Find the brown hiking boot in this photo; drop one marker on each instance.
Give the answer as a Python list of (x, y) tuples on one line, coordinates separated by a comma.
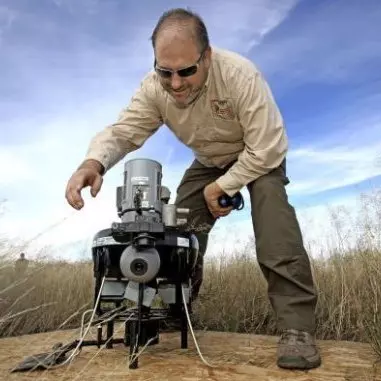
[(297, 350)]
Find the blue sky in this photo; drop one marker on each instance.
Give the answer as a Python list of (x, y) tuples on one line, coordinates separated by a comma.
[(67, 68)]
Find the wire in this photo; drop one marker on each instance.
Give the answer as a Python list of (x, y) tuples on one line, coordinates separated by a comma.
[(192, 332), (77, 349), (83, 335)]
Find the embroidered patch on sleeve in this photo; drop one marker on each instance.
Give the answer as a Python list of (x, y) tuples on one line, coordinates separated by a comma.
[(222, 109)]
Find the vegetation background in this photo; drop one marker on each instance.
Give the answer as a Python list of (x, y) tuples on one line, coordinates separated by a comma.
[(53, 294)]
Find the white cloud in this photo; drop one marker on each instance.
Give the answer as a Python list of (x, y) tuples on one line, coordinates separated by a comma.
[(315, 170), (13, 169), (252, 21), (322, 47), (344, 157)]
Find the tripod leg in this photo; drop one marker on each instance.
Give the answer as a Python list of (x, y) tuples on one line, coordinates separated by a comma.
[(136, 330), (133, 345), (110, 333), (99, 335), (184, 329)]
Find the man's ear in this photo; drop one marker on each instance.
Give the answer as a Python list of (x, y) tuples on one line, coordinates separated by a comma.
[(208, 57), (208, 53)]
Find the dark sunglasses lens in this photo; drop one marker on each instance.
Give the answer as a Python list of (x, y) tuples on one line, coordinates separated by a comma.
[(188, 71), (164, 73)]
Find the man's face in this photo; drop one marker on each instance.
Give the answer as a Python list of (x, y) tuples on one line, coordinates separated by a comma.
[(174, 52)]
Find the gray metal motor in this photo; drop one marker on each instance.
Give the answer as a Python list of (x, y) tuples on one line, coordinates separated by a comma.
[(141, 191), (143, 199), (143, 196)]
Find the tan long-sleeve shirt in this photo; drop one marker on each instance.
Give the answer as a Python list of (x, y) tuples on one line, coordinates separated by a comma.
[(234, 118)]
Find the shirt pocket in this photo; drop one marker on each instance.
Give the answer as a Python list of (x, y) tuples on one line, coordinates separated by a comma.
[(227, 131)]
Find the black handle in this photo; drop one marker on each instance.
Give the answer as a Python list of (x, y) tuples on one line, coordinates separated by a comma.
[(236, 201)]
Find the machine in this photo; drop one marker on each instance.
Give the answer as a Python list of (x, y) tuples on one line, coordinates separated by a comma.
[(142, 266)]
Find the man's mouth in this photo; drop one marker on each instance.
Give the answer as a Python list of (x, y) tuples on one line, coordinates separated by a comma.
[(179, 94), (179, 91)]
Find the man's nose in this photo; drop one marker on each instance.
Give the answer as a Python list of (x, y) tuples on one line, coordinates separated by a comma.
[(176, 81)]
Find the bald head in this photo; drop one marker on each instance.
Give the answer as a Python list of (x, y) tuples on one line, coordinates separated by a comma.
[(176, 46), (176, 32), (181, 25)]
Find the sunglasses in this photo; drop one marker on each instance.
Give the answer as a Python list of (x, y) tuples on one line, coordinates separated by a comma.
[(186, 72)]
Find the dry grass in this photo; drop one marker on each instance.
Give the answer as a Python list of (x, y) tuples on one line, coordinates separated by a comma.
[(54, 294), (49, 296)]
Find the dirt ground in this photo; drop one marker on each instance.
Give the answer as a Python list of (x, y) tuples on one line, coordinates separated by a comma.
[(232, 356)]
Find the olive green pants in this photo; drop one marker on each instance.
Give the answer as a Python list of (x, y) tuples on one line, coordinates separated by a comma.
[(278, 241)]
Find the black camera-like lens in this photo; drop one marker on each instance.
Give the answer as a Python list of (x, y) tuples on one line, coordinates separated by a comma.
[(139, 267)]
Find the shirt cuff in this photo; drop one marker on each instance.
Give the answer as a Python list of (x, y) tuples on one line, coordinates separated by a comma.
[(229, 184), (104, 159)]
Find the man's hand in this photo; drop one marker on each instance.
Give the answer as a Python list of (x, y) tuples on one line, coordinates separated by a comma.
[(88, 174), (211, 193)]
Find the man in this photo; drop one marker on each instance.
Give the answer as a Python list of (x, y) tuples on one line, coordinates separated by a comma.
[(218, 104), (21, 265)]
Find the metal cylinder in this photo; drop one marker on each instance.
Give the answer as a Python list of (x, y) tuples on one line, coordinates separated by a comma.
[(169, 215), (142, 188)]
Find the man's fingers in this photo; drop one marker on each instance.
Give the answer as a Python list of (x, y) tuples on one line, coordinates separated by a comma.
[(223, 213), (78, 200), (73, 193), (79, 180), (75, 197), (95, 188), (217, 211)]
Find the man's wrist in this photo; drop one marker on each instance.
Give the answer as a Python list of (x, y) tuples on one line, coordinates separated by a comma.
[(93, 164)]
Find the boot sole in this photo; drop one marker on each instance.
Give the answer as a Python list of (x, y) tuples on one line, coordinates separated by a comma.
[(298, 363)]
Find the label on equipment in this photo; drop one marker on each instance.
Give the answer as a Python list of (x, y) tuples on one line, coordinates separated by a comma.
[(139, 178), (182, 242)]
